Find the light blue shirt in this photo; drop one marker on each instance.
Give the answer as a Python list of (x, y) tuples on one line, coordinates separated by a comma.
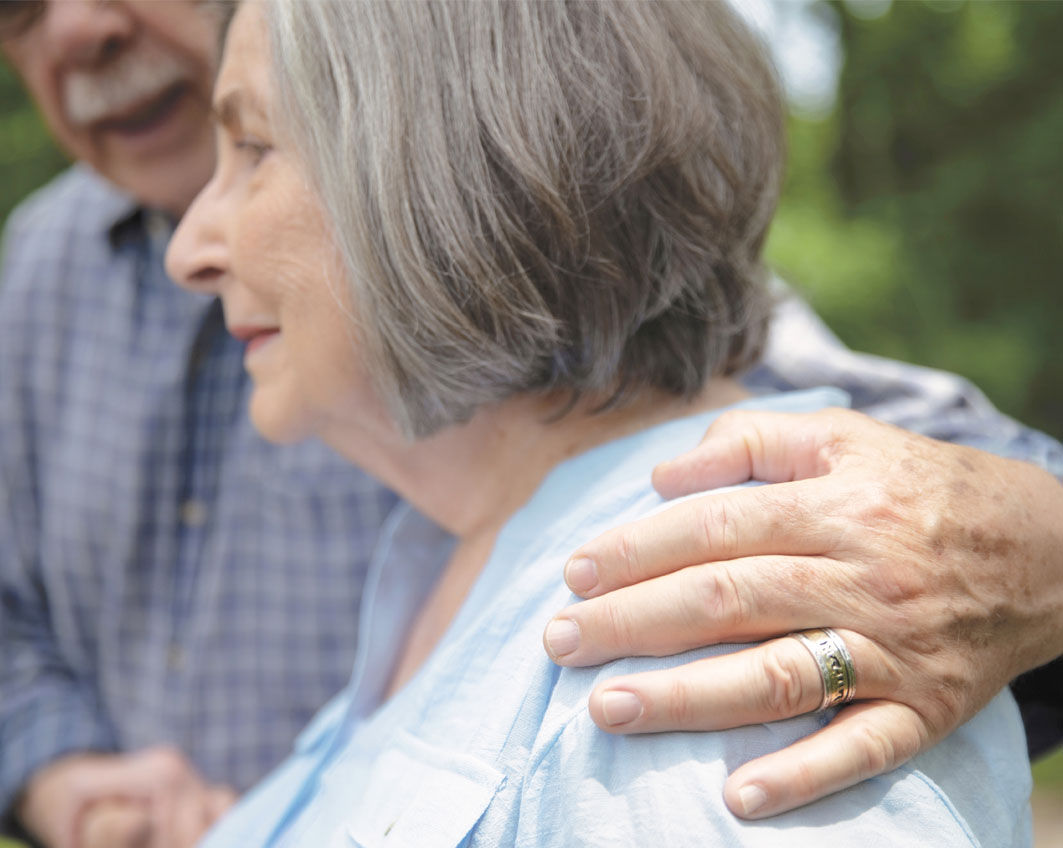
[(491, 744), (166, 576)]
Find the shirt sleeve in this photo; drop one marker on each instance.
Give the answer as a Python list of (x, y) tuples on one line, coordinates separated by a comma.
[(47, 708), (802, 352), (1040, 696)]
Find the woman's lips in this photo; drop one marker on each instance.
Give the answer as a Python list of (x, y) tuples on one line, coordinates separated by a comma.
[(254, 337), (261, 339)]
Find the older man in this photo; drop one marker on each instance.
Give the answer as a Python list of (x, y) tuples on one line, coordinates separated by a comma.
[(165, 573), (167, 578)]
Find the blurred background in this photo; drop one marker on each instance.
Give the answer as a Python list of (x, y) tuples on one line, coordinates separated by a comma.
[(923, 214), (923, 211)]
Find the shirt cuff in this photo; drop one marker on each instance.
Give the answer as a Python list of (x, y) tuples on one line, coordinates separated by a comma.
[(38, 734), (1040, 696)]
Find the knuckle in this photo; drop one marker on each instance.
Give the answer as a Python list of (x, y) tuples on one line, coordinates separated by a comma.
[(833, 441), (679, 703), (880, 746), (718, 597), (626, 553), (896, 588), (876, 750), (948, 701), (805, 782), (616, 623), (732, 419), (877, 518), (718, 526), (168, 764), (785, 693), (876, 505)]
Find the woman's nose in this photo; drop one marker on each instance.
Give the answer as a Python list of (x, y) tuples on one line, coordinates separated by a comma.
[(197, 257)]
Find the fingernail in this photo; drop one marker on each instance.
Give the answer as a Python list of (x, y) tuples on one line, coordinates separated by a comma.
[(581, 574), (562, 637), (620, 708), (752, 798)]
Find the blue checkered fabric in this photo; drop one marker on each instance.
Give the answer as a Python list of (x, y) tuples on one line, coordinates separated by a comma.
[(802, 352), (166, 575)]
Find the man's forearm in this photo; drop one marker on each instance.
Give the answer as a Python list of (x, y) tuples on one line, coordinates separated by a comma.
[(803, 353)]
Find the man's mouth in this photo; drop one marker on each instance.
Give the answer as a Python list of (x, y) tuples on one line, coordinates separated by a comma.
[(146, 115)]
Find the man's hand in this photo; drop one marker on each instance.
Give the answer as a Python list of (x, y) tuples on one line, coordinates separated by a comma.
[(149, 799), (124, 823), (940, 566)]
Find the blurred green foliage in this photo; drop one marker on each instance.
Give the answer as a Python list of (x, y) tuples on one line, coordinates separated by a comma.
[(1048, 771), (923, 218), (27, 156)]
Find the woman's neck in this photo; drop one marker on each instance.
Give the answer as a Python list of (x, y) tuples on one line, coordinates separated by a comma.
[(471, 478)]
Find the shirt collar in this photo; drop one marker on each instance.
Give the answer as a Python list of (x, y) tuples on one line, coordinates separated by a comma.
[(124, 221), (139, 223)]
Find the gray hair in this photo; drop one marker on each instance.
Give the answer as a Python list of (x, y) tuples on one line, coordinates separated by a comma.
[(532, 197)]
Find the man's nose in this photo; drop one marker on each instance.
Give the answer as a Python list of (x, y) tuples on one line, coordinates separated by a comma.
[(197, 257), (87, 33)]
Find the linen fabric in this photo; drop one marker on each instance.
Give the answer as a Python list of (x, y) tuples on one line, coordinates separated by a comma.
[(490, 744), (168, 577)]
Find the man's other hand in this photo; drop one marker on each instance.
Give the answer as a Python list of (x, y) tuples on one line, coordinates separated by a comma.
[(152, 798)]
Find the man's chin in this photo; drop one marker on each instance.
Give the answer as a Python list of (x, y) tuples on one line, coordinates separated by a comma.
[(165, 174)]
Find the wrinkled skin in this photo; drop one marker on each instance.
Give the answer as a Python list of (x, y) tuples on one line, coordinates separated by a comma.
[(941, 566)]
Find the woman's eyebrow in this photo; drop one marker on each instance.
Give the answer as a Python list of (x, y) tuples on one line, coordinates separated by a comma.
[(227, 109)]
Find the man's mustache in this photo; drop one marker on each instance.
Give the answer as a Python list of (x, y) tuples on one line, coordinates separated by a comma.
[(135, 77)]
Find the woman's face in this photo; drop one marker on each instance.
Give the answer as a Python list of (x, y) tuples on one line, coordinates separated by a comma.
[(257, 236)]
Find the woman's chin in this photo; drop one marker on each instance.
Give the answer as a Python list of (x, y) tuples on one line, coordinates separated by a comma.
[(277, 423)]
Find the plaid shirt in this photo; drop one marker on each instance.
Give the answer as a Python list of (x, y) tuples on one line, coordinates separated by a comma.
[(165, 574)]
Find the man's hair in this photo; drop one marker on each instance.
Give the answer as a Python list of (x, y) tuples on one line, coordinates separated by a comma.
[(533, 197)]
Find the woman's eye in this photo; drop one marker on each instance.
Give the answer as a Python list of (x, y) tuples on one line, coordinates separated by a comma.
[(254, 149)]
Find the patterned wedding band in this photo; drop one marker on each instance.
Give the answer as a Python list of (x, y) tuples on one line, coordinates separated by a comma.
[(835, 664)]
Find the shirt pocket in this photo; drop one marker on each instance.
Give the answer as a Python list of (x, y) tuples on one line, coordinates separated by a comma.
[(419, 796)]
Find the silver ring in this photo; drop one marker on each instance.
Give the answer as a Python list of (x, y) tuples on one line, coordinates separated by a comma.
[(835, 664)]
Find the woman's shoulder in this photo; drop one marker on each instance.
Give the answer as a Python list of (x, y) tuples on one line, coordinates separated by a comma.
[(592, 787)]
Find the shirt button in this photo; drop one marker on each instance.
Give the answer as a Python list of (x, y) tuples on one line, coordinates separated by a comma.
[(193, 513), (175, 658)]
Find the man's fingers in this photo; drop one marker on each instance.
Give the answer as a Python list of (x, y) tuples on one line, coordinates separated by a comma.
[(179, 800), (745, 522), (118, 823), (775, 447), (220, 799), (737, 601), (776, 680), (181, 819), (864, 740)]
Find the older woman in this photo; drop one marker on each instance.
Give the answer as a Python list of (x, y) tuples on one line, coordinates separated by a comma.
[(504, 256)]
